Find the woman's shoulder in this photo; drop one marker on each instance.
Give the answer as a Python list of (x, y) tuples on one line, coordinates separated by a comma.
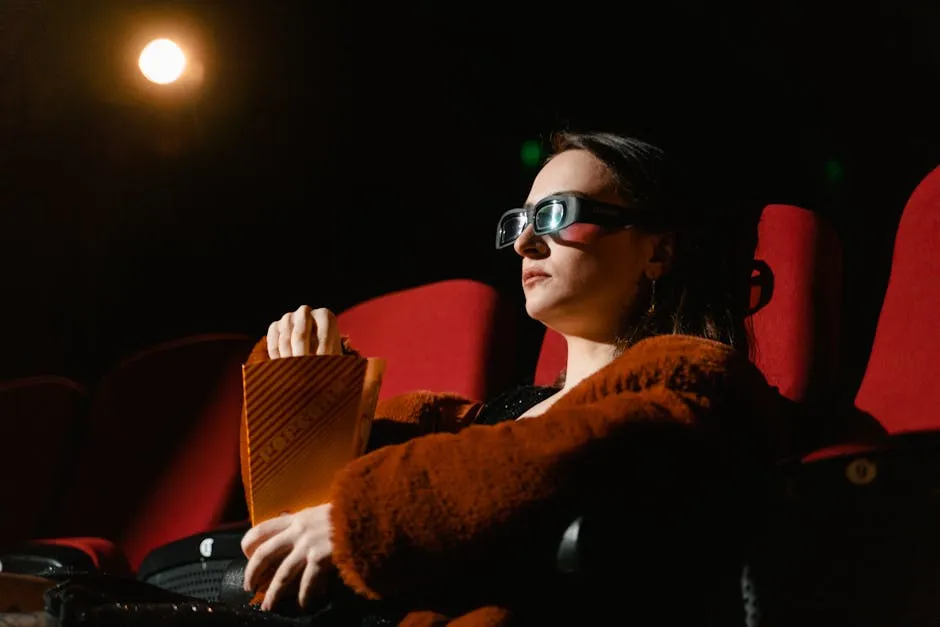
[(681, 363), (684, 358), (686, 348)]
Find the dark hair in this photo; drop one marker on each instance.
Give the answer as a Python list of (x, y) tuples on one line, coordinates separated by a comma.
[(706, 291)]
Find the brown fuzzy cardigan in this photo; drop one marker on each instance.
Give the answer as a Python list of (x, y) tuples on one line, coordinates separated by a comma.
[(467, 508)]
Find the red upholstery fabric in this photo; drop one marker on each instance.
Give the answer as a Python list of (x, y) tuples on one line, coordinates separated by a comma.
[(105, 555), (162, 459), (847, 450), (900, 387), (37, 417), (796, 333), (442, 336)]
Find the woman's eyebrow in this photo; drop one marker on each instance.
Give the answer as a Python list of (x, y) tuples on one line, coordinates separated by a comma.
[(571, 192)]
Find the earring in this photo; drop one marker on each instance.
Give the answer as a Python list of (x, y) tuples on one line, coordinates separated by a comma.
[(652, 308)]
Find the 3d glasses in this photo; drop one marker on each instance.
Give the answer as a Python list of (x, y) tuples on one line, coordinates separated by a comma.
[(554, 213)]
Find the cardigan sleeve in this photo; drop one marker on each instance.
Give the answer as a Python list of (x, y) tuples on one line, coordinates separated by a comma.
[(414, 517)]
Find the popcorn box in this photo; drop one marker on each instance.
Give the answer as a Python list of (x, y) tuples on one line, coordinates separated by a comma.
[(306, 418)]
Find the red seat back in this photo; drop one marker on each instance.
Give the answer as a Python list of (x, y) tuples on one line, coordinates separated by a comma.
[(900, 387), (796, 333), (162, 460), (441, 337), (795, 336), (38, 417)]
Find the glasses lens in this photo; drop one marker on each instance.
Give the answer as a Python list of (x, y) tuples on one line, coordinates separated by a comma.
[(549, 217), (510, 228)]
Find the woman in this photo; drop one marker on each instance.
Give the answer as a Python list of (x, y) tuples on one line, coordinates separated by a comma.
[(660, 427)]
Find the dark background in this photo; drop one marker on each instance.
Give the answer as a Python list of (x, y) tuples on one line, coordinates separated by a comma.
[(337, 150)]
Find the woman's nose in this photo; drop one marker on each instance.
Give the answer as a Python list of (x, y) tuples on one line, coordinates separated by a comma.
[(528, 244)]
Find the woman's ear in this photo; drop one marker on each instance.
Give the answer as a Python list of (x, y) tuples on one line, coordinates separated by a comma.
[(660, 261)]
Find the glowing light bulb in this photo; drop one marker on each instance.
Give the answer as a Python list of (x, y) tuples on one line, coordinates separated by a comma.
[(162, 61)]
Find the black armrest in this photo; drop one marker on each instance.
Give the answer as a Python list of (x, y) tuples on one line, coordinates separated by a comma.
[(195, 565), (45, 560), (233, 581), (649, 562)]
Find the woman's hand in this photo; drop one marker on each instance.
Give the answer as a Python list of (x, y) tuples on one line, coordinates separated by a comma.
[(298, 546), (304, 332)]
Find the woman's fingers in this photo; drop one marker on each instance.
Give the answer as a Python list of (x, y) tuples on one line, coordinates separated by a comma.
[(305, 331), (262, 532), (273, 351), (315, 579), (284, 578), (327, 333), (291, 554), (301, 331), (283, 338), (265, 559)]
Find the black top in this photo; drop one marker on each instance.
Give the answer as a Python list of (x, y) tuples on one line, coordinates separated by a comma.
[(513, 403)]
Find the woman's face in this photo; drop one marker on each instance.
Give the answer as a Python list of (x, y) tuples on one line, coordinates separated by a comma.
[(584, 279)]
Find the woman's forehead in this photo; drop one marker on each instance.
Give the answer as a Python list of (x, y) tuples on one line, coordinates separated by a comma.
[(574, 171)]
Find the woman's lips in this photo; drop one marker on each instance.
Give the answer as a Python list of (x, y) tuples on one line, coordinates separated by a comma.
[(531, 277)]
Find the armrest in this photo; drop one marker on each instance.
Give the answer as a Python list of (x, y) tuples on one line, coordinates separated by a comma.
[(62, 556), (196, 564), (232, 589), (657, 562)]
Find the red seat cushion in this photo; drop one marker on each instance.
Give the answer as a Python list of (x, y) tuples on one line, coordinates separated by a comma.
[(104, 554)]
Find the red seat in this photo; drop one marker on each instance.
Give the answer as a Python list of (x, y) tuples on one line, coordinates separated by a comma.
[(796, 328), (449, 336), (162, 459), (900, 387), (858, 544), (796, 334), (39, 417)]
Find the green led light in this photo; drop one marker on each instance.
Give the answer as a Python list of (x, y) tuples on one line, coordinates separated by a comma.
[(531, 153), (835, 172)]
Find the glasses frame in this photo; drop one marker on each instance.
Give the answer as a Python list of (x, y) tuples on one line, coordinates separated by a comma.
[(574, 209)]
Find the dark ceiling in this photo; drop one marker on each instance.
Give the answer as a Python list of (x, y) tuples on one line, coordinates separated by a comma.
[(337, 150)]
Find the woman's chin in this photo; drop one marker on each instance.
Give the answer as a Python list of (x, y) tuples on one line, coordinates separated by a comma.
[(533, 309), (556, 311), (538, 307)]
